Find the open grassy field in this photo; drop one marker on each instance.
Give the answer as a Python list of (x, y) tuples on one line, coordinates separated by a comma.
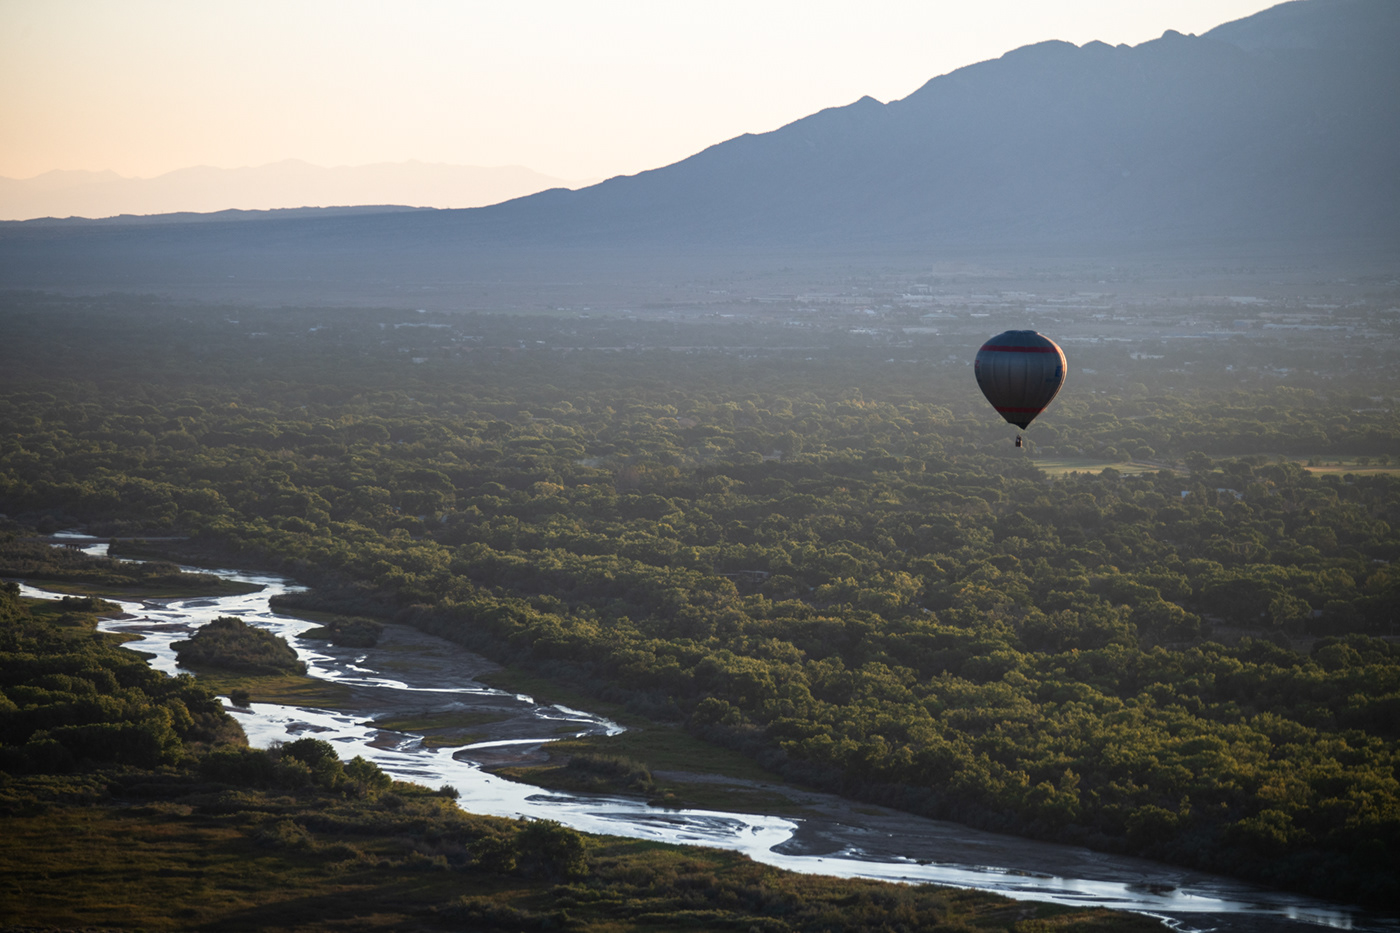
[(1059, 466), (114, 591), (1316, 463), (1329, 463)]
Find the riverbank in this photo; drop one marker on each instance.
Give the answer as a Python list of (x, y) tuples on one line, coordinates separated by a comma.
[(225, 838), (173, 857), (413, 679), (65, 564)]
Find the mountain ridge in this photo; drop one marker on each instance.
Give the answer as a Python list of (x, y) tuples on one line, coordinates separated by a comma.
[(1217, 137), (1280, 127)]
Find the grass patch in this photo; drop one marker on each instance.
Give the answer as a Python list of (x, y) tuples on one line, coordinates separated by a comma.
[(348, 632), (671, 794), (446, 729), (1059, 466), (1320, 464), (73, 615), (286, 689), (429, 722), (663, 748), (1334, 465), (729, 798), (79, 588)]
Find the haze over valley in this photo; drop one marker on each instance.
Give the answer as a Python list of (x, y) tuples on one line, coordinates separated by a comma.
[(288, 184)]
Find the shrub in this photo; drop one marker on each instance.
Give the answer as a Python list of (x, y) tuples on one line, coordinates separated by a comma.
[(245, 767), (544, 848), (231, 644), (615, 770), (348, 632)]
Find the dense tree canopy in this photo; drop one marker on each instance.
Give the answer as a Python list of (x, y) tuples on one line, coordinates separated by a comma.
[(75, 702), (826, 566)]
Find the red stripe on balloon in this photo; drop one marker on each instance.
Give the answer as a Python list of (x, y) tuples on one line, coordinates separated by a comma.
[(1020, 411), (1019, 349)]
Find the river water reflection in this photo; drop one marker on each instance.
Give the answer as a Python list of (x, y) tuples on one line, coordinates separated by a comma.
[(410, 673)]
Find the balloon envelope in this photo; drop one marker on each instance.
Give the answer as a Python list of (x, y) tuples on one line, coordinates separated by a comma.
[(1020, 371)]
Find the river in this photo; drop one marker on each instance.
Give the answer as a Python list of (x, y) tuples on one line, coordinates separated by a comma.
[(410, 672)]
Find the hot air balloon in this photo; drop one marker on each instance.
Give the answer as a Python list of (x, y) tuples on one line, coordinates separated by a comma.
[(1020, 371)]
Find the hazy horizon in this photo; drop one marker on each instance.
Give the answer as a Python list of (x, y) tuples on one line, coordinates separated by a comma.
[(571, 91), (290, 160), (287, 183)]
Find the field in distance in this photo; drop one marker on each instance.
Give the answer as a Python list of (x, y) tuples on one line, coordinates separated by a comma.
[(1059, 466)]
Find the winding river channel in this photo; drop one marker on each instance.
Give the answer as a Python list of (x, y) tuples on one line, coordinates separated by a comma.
[(411, 673)]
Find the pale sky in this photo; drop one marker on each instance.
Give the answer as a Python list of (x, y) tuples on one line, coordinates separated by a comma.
[(572, 88)]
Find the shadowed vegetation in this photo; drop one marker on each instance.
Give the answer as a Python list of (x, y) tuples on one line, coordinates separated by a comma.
[(231, 644), (66, 569), (192, 830), (813, 557), (347, 632)]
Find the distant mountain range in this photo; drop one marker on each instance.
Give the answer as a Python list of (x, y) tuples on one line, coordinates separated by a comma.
[(1285, 123), (1284, 126), (291, 183)]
